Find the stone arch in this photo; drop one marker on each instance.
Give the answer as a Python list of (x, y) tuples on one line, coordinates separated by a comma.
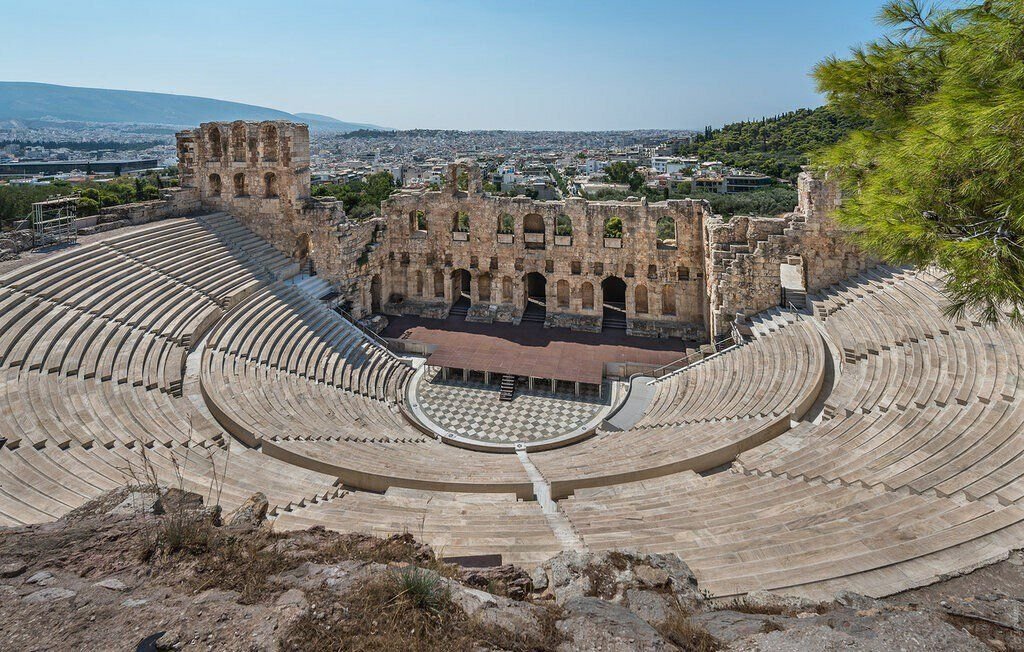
[(375, 291), (587, 295), (668, 299), (535, 288), (216, 143), (238, 147), (614, 227), (461, 284), (562, 293), (640, 304), (239, 181), (506, 289), (506, 223), (268, 136), (563, 224), (215, 184), (533, 223), (483, 287), (438, 284), (666, 232), (613, 290), (270, 185), (417, 221)]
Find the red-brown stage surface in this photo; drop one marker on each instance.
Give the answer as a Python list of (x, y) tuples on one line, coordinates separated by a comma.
[(529, 349)]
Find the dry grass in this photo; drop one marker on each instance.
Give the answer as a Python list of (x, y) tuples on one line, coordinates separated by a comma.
[(409, 610), (689, 637)]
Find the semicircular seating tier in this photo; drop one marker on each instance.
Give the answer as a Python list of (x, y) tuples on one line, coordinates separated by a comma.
[(874, 444)]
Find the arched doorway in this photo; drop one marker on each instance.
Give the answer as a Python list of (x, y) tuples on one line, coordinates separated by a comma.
[(375, 293), (613, 291), (535, 286), (461, 301)]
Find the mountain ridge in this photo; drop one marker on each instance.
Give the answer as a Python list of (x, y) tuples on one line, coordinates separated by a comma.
[(36, 100)]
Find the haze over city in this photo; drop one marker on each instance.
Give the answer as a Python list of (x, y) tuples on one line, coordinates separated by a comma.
[(454, 65)]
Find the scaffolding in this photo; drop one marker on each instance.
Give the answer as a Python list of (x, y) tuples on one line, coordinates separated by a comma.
[(53, 221)]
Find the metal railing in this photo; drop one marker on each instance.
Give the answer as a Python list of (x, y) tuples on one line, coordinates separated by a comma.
[(721, 346), (374, 337)]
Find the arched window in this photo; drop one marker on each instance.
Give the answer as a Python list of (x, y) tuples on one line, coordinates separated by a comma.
[(460, 222), (506, 290), (483, 287), (216, 145), (238, 142), (240, 184), (666, 233), (562, 290), (668, 299), (563, 225), (215, 186), (506, 223), (640, 300), (587, 293), (438, 284), (613, 227), (533, 223), (417, 221), (269, 138), (270, 185)]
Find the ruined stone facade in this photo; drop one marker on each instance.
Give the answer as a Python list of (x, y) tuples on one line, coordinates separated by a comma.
[(511, 248), (259, 172), (675, 269), (745, 256)]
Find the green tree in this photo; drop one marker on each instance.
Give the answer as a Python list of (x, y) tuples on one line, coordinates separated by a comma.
[(613, 227), (933, 178), (88, 206)]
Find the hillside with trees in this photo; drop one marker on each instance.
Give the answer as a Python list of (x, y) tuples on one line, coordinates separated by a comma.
[(776, 146)]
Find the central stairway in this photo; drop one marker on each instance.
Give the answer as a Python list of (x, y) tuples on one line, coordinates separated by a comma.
[(535, 311), (508, 387), (614, 316)]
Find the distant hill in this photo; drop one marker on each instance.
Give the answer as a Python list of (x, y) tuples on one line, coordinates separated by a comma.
[(777, 146), (33, 101)]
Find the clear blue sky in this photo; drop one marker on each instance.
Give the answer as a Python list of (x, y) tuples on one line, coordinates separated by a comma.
[(549, 64)]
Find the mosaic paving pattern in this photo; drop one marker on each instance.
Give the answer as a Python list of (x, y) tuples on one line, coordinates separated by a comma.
[(472, 410)]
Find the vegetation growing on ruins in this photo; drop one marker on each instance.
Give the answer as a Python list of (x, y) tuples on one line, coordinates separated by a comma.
[(625, 172), (772, 200), (16, 200), (361, 198), (778, 146), (933, 178), (613, 227)]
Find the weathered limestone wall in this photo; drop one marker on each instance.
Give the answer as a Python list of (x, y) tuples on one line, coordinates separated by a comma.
[(424, 264), (259, 172), (744, 255)]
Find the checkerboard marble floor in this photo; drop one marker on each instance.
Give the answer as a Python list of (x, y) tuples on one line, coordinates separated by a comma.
[(472, 410)]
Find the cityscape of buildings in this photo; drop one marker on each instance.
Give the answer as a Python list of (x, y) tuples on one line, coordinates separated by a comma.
[(542, 165)]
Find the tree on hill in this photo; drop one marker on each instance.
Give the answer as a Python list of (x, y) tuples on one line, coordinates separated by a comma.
[(776, 146), (933, 178)]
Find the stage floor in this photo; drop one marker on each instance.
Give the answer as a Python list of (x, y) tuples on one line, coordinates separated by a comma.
[(529, 349)]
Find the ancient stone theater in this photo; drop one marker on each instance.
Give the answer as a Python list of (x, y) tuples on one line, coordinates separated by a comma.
[(507, 378)]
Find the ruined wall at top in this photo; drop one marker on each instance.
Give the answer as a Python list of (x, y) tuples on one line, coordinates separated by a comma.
[(259, 172), (663, 281), (744, 255)]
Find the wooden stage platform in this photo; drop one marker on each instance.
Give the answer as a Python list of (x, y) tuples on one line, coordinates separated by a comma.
[(529, 349)]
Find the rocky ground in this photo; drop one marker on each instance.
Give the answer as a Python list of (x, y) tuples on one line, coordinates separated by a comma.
[(153, 569)]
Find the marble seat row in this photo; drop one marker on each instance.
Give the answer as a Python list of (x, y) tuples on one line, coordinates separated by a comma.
[(453, 524), (282, 328), (43, 484), (742, 533), (778, 373)]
